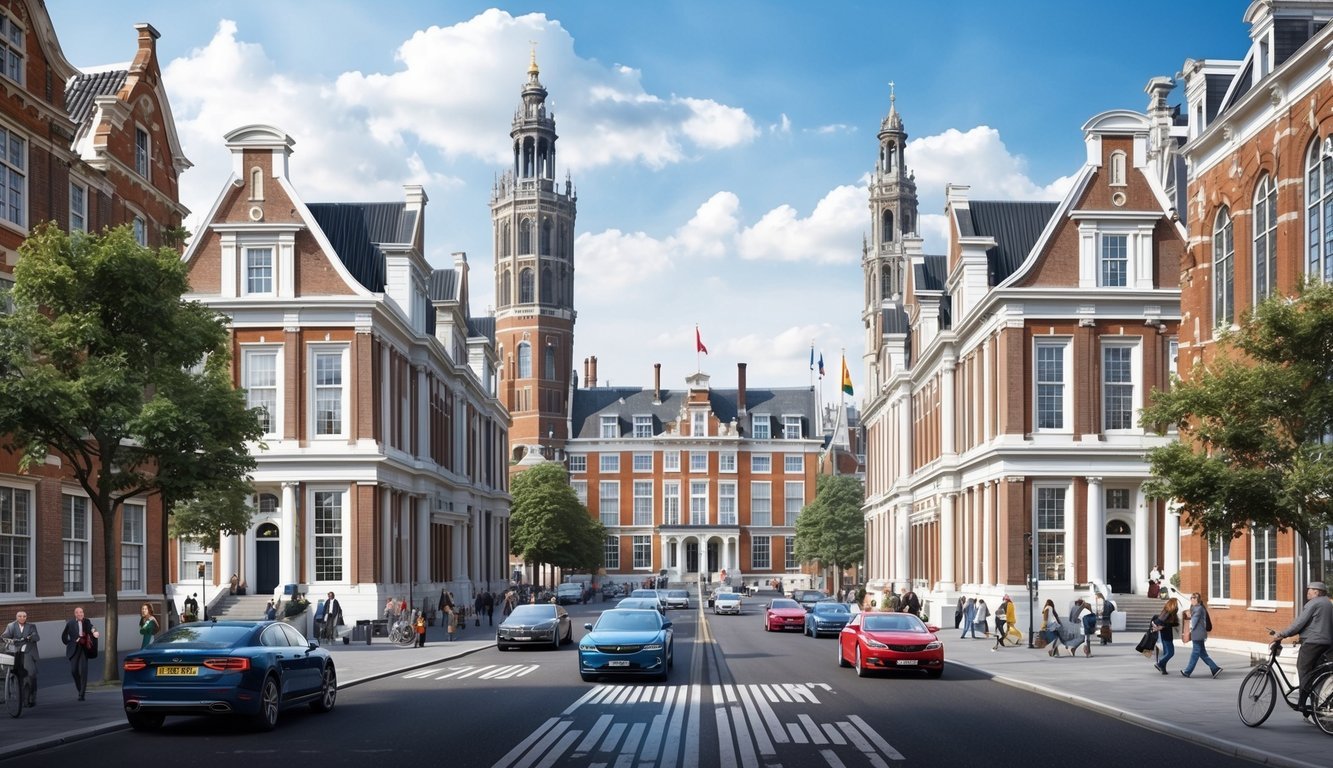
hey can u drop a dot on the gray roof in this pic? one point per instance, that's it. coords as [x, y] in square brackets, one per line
[894, 320]
[932, 274]
[1015, 226]
[82, 90]
[357, 230]
[591, 404]
[443, 285]
[481, 326]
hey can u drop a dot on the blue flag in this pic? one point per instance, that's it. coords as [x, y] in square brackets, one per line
[821, 365]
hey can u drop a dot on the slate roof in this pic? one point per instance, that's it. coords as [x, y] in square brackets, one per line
[1015, 226]
[443, 285]
[84, 89]
[932, 274]
[591, 404]
[894, 320]
[481, 326]
[357, 230]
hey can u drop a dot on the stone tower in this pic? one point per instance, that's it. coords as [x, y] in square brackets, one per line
[533, 222]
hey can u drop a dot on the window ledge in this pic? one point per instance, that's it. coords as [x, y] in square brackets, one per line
[1264, 607]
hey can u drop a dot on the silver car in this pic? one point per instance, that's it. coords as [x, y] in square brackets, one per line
[677, 598]
[727, 602]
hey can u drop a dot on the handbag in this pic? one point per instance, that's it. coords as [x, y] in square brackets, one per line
[89, 645]
[1040, 640]
[1147, 643]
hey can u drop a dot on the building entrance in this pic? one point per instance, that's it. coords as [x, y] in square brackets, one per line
[1119, 568]
[266, 559]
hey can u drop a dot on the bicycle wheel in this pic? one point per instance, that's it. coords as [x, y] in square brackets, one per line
[407, 636]
[1258, 694]
[13, 694]
[1321, 701]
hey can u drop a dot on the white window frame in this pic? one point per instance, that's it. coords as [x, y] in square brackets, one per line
[761, 503]
[642, 549]
[78, 206]
[1318, 261]
[13, 49]
[726, 462]
[1263, 240]
[1053, 542]
[336, 539]
[1264, 569]
[671, 502]
[642, 462]
[14, 177]
[761, 553]
[608, 462]
[698, 423]
[793, 501]
[698, 502]
[1105, 257]
[760, 423]
[580, 488]
[76, 543]
[1135, 348]
[17, 532]
[643, 426]
[791, 427]
[140, 228]
[1219, 567]
[133, 549]
[1224, 262]
[524, 358]
[643, 502]
[670, 461]
[1065, 345]
[192, 555]
[611, 553]
[608, 502]
[698, 461]
[726, 502]
[578, 462]
[143, 152]
[313, 353]
[793, 464]
[249, 354]
[789, 554]
[610, 427]
[761, 463]
[253, 281]
[1116, 169]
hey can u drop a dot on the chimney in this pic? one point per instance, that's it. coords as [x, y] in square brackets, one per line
[592, 372]
[657, 383]
[585, 370]
[740, 388]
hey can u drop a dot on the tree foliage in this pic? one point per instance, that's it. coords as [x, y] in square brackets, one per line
[1255, 424]
[105, 366]
[831, 530]
[548, 524]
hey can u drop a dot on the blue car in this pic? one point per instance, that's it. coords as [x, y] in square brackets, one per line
[627, 642]
[249, 668]
[827, 618]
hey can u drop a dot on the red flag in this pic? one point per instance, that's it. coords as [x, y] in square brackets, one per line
[699, 342]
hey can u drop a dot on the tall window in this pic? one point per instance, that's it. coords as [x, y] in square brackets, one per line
[1219, 567]
[671, 502]
[525, 241]
[608, 462]
[11, 49]
[761, 557]
[726, 502]
[1118, 386]
[1318, 213]
[698, 461]
[1265, 239]
[611, 553]
[761, 503]
[141, 152]
[524, 360]
[1114, 261]
[1050, 382]
[194, 555]
[608, 502]
[610, 427]
[580, 488]
[670, 461]
[547, 283]
[643, 462]
[15, 540]
[759, 427]
[1051, 533]
[506, 288]
[548, 363]
[132, 527]
[1224, 270]
[74, 540]
[260, 379]
[328, 535]
[791, 427]
[793, 501]
[546, 237]
[761, 463]
[259, 270]
[78, 207]
[789, 545]
[643, 427]
[726, 462]
[525, 286]
[698, 502]
[643, 502]
[328, 392]
[1264, 541]
[643, 551]
[578, 462]
[793, 463]
[699, 423]
[140, 231]
[14, 177]
[1117, 175]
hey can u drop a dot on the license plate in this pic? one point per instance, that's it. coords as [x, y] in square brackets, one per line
[522, 637]
[907, 662]
[617, 663]
[177, 671]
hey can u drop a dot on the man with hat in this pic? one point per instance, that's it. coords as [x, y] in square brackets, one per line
[1315, 626]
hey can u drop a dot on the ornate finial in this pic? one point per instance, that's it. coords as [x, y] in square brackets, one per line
[532, 68]
[892, 97]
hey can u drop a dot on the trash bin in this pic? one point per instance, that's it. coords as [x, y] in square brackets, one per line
[362, 631]
[379, 627]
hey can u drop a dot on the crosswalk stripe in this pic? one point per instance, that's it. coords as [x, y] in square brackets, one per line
[816, 735]
[594, 733]
[831, 758]
[558, 750]
[612, 738]
[874, 736]
[833, 734]
[797, 735]
[726, 750]
[859, 741]
[756, 727]
[590, 695]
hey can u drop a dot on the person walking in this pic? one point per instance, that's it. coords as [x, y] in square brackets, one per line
[1085, 616]
[1004, 618]
[1199, 626]
[147, 625]
[80, 639]
[489, 604]
[333, 617]
[1107, 608]
[1050, 627]
[969, 614]
[451, 622]
[980, 619]
[958, 612]
[1165, 623]
[1315, 626]
[478, 605]
[420, 627]
[23, 637]
[271, 611]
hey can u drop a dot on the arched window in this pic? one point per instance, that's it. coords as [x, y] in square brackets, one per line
[506, 288]
[256, 184]
[890, 157]
[1224, 270]
[525, 236]
[524, 360]
[887, 289]
[886, 227]
[562, 249]
[1319, 212]
[548, 364]
[1265, 238]
[506, 243]
[1117, 170]
[525, 286]
[546, 237]
[548, 282]
[906, 224]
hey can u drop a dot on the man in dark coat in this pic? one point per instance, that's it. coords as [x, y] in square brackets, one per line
[488, 602]
[80, 639]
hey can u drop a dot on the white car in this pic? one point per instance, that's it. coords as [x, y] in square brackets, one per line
[677, 598]
[727, 602]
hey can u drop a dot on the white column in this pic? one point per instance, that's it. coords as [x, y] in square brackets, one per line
[904, 570]
[386, 536]
[226, 557]
[905, 431]
[457, 539]
[422, 504]
[421, 445]
[948, 407]
[1096, 532]
[983, 354]
[978, 505]
[987, 535]
[1171, 540]
[947, 542]
[287, 534]
[1142, 540]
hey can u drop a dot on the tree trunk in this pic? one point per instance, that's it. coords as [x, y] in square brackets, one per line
[110, 572]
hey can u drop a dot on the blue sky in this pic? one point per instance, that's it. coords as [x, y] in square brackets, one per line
[719, 150]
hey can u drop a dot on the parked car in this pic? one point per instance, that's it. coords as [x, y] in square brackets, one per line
[568, 594]
[655, 594]
[677, 598]
[627, 642]
[535, 624]
[827, 618]
[808, 597]
[880, 640]
[727, 602]
[641, 603]
[250, 668]
[783, 613]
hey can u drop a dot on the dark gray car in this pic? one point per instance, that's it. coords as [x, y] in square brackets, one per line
[535, 624]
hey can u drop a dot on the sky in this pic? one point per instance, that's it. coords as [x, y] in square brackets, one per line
[720, 150]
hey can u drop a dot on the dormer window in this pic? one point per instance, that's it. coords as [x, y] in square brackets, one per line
[1113, 261]
[11, 49]
[699, 424]
[791, 427]
[759, 426]
[1117, 169]
[643, 426]
[610, 427]
[256, 184]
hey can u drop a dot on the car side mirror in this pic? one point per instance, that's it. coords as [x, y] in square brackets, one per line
[313, 645]
[587, 626]
[666, 625]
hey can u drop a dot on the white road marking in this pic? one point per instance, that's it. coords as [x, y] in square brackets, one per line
[815, 735]
[879, 741]
[558, 750]
[522, 746]
[833, 734]
[855, 737]
[756, 728]
[726, 751]
[612, 737]
[797, 735]
[831, 758]
[594, 733]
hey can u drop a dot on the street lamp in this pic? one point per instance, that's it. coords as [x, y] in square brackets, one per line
[203, 592]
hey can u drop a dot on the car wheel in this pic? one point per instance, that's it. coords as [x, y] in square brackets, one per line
[842, 661]
[671, 656]
[861, 670]
[569, 635]
[935, 674]
[144, 721]
[555, 639]
[328, 691]
[270, 701]
[501, 647]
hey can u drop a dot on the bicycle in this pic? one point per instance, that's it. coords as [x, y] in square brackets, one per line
[11, 664]
[403, 633]
[1259, 689]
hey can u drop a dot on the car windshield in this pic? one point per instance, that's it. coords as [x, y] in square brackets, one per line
[782, 602]
[728, 596]
[830, 608]
[637, 602]
[651, 593]
[810, 597]
[894, 622]
[678, 593]
[632, 621]
[533, 613]
[204, 635]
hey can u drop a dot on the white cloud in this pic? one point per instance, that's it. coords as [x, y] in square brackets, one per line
[832, 128]
[717, 126]
[829, 235]
[783, 125]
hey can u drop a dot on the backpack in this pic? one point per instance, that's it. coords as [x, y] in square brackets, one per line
[1207, 621]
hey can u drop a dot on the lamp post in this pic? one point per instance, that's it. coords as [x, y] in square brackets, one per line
[1032, 586]
[203, 593]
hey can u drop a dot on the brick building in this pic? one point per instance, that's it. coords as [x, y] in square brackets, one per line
[88, 150]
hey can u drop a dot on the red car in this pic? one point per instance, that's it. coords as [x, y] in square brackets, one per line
[876, 640]
[784, 613]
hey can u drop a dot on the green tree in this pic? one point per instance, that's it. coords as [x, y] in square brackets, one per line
[1256, 424]
[549, 525]
[831, 530]
[103, 365]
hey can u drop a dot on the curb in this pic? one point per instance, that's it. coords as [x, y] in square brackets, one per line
[1211, 742]
[69, 737]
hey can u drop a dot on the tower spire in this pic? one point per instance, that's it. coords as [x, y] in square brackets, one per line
[533, 70]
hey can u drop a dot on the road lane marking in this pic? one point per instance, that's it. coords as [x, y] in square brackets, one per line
[831, 758]
[874, 736]
[558, 750]
[726, 750]
[859, 741]
[816, 735]
[522, 746]
[797, 735]
[833, 734]
[594, 733]
[612, 737]
[756, 727]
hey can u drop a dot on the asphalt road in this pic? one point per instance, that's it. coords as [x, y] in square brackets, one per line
[738, 696]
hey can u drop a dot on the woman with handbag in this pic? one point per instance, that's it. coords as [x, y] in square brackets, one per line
[1050, 627]
[1165, 624]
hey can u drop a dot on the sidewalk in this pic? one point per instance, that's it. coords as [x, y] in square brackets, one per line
[1121, 683]
[60, 718]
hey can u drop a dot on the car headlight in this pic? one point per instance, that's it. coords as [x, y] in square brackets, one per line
[875, 643]
[653, 647]
[934, 646]
[587, 646]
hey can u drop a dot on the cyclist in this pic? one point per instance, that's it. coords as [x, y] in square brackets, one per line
[1315, 626]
